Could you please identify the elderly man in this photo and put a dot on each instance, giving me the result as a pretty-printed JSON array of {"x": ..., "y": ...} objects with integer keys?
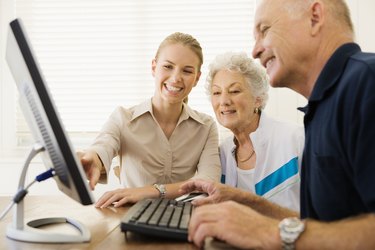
[{"x": 307, "y": 45}]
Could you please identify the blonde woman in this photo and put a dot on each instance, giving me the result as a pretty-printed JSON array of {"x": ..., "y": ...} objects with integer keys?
[{"x": 161, "y": 142}]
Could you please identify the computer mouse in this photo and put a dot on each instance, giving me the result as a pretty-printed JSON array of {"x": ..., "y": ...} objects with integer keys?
[{"x": 191, "y": 196}]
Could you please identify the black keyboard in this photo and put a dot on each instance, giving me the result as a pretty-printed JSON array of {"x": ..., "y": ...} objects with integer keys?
[{"x": 159, "y": 217}]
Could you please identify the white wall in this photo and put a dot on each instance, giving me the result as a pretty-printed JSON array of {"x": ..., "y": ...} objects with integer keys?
[
  {"x": 362, "y": 12},
  {"x": 282, "y": 102}
]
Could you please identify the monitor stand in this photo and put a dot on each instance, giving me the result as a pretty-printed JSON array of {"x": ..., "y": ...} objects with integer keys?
[{"x": 31, "y": 232}]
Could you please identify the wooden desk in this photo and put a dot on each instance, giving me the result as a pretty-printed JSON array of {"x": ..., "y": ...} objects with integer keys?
[{"x": 102, "y": 223}]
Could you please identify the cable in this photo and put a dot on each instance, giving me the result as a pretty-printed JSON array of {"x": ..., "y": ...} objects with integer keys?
[{"x": 22, "y": 192}]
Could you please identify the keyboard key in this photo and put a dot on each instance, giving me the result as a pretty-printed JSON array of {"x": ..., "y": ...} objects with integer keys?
[
  {"x": 158, "y": 213},
  {"x": 138, "y": 213},
  {"x": 149, "y": 211},
  {"x": 175, "y": 217},
  {"x": 166, "y": 216},
  {"x": 184, "y": 223},
  {"x": 185, "y": 218}
]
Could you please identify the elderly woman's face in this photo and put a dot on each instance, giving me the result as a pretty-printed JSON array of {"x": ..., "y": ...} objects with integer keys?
[{"x": 232, "y": 100}]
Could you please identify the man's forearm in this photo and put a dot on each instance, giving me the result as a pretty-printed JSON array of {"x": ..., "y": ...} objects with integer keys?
[
  {"x": 264, "y": 206},
  {"x": 352, "y": 233}
]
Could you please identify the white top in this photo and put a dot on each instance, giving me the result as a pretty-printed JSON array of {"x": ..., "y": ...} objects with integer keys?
[
  {"x": 278, "y": 146},
  {"x": 245, "y": 179}
]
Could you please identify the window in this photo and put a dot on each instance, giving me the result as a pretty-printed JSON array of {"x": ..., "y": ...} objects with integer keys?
[{"x": 96, "y": 55}]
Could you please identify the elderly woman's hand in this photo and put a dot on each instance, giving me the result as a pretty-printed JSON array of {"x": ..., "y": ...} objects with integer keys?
[{"x": 217, "y": 192}]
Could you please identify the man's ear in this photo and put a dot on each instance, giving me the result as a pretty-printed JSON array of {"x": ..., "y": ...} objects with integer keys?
[
  {"x": 153, "y": 67},
  {"x": 317, "y": 16}
]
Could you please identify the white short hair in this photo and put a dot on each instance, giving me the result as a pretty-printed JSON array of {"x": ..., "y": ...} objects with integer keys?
[{"x": 254, "y": 73}]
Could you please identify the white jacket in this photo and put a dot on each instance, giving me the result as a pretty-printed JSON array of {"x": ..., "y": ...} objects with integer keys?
[{"x": 278, "y": 146}]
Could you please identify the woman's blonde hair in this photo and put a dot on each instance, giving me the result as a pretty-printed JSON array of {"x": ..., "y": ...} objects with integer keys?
[{"x": 186, "y": 40}]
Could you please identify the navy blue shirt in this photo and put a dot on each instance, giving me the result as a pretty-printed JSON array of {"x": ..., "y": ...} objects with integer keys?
[{"x": 338, "y": 165}]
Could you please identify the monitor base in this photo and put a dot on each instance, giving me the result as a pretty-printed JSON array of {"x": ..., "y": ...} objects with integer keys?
[{"x": 31, "y": 232}]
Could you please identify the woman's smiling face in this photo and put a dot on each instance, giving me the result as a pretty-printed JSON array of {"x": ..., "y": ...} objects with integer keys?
[
  {"x": 232, "y": 100},
  {"x": 176, "y": 72}
]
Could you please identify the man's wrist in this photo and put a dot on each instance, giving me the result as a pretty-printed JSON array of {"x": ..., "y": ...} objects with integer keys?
[{"x": 290, "y": 230}]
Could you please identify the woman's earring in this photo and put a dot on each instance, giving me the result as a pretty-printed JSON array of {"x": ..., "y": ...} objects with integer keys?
[{"x": 256, "y": 110}]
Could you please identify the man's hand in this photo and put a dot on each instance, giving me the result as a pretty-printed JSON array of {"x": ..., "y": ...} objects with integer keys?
[{"x": 236, "y": 224}]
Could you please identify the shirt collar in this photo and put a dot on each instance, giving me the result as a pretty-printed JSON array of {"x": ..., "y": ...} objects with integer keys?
[
  {"x": 331, "y": 72},
  {"x": 142, "y": 108},
  {"x": 146, "y": 107},
  {"x": 187, "y": 113}
]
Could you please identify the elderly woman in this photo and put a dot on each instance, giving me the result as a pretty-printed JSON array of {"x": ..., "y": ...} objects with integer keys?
[{"x": 264, "y": 154}]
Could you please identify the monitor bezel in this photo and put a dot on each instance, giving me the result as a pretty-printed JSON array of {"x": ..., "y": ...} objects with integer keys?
[{"x": 72, "y": 167}]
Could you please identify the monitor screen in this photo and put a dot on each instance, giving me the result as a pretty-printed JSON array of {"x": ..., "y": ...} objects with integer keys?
[{"x": 42, "y": 117}]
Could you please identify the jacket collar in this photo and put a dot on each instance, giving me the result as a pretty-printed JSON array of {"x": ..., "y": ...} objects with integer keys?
[{"x": 260, "y": 135}]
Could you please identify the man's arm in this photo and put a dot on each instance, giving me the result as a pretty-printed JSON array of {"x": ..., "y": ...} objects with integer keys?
[
  {"x": 243, "y": 227},
  {"x": 218, "y": 192},
  {"x": 351, "y": 233},
  {"x": 263, "y": 205}
]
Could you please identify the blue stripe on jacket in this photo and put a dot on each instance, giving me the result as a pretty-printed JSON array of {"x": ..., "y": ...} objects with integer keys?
[{"x": 276, "y": 178}]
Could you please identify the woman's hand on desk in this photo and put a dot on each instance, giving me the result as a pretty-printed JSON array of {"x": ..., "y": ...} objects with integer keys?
[
  {"x": 124, "y": 196},
  {"x": 216, "y": 191}
]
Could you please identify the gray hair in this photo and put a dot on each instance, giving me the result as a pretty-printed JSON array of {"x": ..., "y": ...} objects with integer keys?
[
  {"x": 337, "y": 8},
  {"x": 254, "y": 73}
]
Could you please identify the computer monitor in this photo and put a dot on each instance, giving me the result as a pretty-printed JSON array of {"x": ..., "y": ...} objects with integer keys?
[{"x": 48, "y": 131}]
